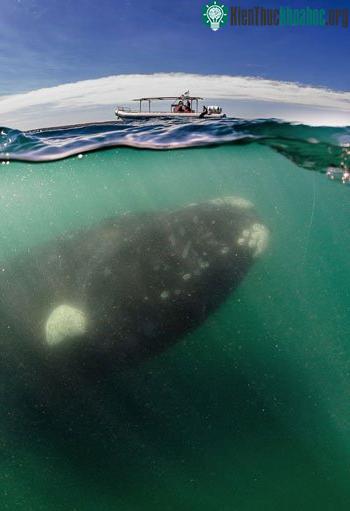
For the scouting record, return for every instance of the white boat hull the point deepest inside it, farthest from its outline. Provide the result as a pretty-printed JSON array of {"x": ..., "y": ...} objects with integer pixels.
[{"x": 123, "y": 114}]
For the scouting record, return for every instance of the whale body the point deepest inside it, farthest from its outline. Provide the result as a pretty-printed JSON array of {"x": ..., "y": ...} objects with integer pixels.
[{"x": 128, "y": 288}]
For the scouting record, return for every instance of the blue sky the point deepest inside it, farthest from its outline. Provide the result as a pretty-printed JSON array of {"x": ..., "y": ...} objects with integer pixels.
[
  {"x": 71, "y": 61},
  {"x": 49, "y": 42}
]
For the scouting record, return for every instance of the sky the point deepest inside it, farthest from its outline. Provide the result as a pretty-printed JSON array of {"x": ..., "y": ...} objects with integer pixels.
[{"x": 47, "y": 43}]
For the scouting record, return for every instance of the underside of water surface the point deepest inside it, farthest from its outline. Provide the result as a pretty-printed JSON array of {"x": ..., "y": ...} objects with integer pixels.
[{"x": 250, "y": 410}]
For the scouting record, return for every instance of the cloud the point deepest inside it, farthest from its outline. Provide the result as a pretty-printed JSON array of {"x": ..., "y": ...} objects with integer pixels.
[{"x": 71, "y": 102}]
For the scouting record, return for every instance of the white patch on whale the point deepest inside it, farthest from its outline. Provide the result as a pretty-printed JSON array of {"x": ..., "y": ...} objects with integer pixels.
[
  {"x": 238, "y": 202},
  {"x": 256, "y": 238},
  {"x": 65, "y": 322}
]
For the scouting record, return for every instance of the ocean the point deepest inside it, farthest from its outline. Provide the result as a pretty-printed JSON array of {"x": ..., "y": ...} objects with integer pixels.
[{"x": 249, "y": 411}]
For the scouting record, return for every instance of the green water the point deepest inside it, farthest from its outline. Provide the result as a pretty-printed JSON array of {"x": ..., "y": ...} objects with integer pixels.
[{"x": 249, "y": 412}]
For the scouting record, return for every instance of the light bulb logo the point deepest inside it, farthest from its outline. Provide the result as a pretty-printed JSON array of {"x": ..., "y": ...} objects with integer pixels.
[{"x": 215, "y": 15}]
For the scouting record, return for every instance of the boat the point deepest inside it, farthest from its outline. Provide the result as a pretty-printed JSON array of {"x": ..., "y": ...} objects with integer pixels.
[{"x": 184, "y": 106}]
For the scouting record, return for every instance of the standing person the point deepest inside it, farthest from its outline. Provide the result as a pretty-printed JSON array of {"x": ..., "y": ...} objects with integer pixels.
[{"x": 204, "y": 112}]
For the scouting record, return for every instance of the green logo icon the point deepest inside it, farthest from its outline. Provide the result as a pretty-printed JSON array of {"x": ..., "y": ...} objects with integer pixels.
[{"x": 215, "y": 15}]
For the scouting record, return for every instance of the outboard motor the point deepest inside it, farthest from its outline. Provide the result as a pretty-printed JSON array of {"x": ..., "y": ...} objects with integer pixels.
[{"x": 214, "y": 109}]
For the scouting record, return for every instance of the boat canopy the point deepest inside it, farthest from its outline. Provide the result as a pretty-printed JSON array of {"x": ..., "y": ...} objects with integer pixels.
[{"x": 186, "y": 96}]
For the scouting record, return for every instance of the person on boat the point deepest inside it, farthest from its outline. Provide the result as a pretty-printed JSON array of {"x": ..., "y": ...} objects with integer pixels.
[
  {"x": 179, "y": 107},
  {"x": 188, "y": 106},
  {"x": 204, "y": 112}
]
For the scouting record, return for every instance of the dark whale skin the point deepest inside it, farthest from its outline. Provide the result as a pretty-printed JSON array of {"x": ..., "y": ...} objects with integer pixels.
[{"x": 141, "y": 280}]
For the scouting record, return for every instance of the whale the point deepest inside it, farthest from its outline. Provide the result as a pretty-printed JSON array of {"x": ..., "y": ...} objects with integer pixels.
[{"x": 128, "y": 288}]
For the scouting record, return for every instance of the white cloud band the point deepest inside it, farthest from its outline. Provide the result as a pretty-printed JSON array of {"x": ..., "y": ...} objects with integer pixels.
[{"x": 111, "y": 90}]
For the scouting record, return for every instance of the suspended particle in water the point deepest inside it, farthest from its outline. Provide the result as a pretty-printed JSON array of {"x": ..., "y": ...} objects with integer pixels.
[
  {"x": 334, "y": 173},
  {"x": 346, "y": 177}
]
